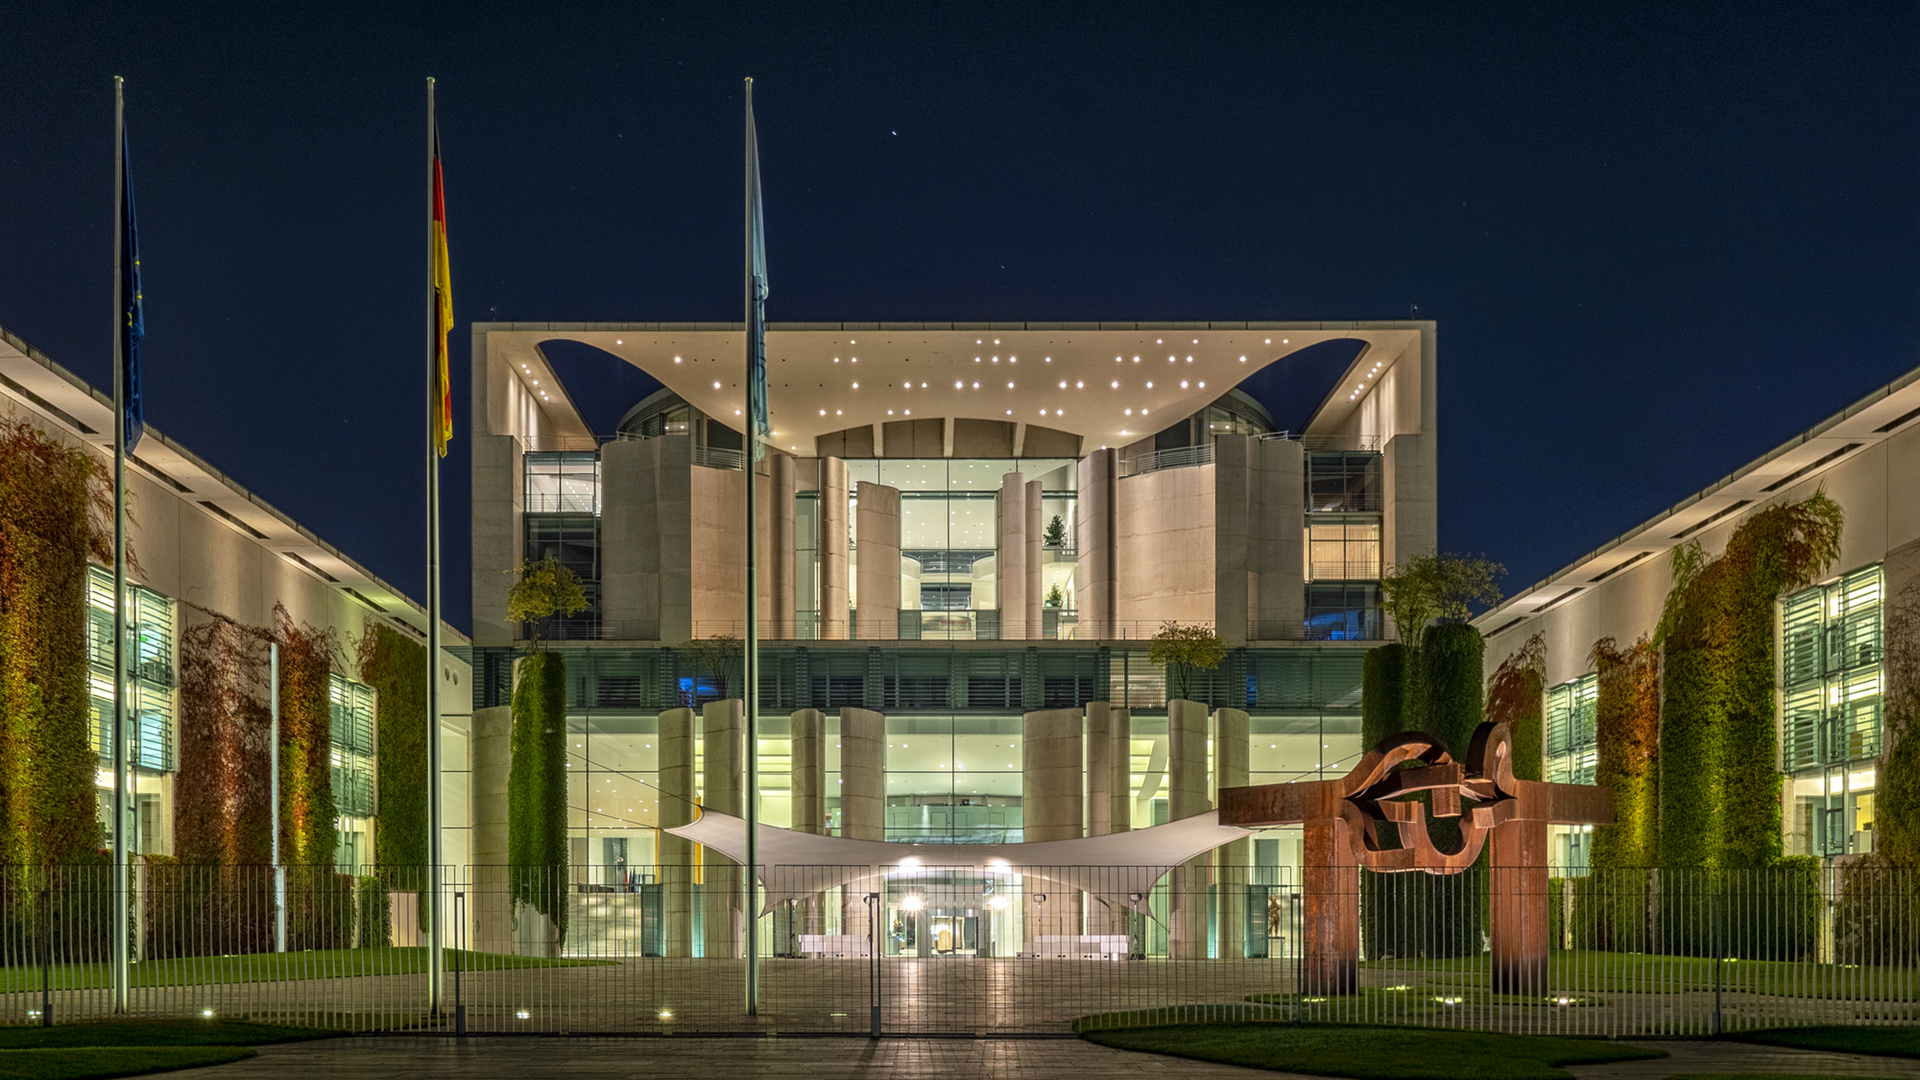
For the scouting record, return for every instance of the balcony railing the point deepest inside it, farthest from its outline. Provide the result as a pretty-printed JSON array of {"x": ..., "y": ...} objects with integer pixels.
[{"x": 1179, "y": 457}]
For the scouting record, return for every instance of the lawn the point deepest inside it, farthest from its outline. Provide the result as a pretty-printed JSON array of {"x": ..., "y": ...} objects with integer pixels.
[
  {"x": 272, "y": 967},
  {"x": 1890, "y": 1041},
  {"x": 1591, "y": 971},
  {"x": 132, "y": 1047},
  {"x": 1372, "y": 1053}
]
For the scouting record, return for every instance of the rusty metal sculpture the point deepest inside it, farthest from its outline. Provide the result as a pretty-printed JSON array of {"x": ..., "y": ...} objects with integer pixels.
[{"x": 1347, "y": 821}]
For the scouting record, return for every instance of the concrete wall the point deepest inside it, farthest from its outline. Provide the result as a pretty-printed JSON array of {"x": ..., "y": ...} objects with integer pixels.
[
  {"x": 782, "y": 542},
  {"x": 877, "y": 529},
  {"x": 646, "y": 539},
  {"x": 1186, "y": 797},
  {"x": 1164, "y": 546},
  {"x": 1259, "y": 512},
  {"x": 1230, "y": 752},
  {"x": 806, "y": 742}
]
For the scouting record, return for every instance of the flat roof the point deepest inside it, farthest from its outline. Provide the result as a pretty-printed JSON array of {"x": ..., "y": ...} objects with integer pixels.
[
  {"x": 69, "y": 403},
  {"x": 1845, "y": 434},
  {"x": 1110, "y": 383}
]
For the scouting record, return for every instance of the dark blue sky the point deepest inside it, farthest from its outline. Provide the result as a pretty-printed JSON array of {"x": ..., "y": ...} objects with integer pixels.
[{"x": 1658, "y": 239}]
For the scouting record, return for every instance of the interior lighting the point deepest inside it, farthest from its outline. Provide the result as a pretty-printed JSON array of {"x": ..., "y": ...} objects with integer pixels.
[
  {"x": 889, "y": 412},
  {"x": 996, "y": 341},
  {"x": 959, "y": 385},
  {"x": 1156, "y": 341},
  {"x": 1009, "y": 386},
  {"x": 666, "y": 1014},
  {"x": 836, "y": 412},
  {"x": 1079, "y": 386},
  {"x": 1049, "y": 359},
  {"x": 1183, "y": 384},
  {"x": 856, "y": 386},
  {"x": 1116, "y": 384},
  {"x": 1149, "y": 384},
  {"x": 1129, "y": 412},
  {"x": 676, "y": 359},
  {"x": 997, "y": 902},
  {"x": 1063, "y": 384},
  {"x": 1203, "y": 384},
  {"x": 823, "y": 412},
  {"x": 909, "y": 412},
  {"x": 736, "y": 412},
  {"x": 716, "y": 386},
  {"x": 976, "y": 385},
  {"x": 1136, "y": 359}
]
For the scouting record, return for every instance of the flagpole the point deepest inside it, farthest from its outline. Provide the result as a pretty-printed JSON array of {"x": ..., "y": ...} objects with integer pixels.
[
  {"x": 752, "y": 643},
  {"x": 122, "y": 959},
  {"x": 434, "y": 763}
]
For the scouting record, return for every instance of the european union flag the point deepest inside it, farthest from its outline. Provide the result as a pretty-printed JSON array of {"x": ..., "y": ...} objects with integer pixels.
[
  {"x": 133, "y": 325},
  {"x": 759, "y": 430}
]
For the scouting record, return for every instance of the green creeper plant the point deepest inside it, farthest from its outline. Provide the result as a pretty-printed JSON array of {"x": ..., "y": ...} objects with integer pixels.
[
  {"x": 56, "y": 507},
  {"x": 395, "y": 666},
  {"x": 537, "y": 787},
  {"x": 1437, "y": 586},
  {"x": 1896, "y": 811},
  {"x": 1186, "y": 648},
  {"x": 1722, "y": 809},
  {"x": 544, "y": 589}
]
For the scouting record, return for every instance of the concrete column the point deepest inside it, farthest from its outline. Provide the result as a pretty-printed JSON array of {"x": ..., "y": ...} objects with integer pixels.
[
  {"x": 676, "y": 853},
  {"x": 808, "y": 728},
  {"x": 1230, "y": 751},
  {"x": 1278, "y": 552},
  {"x": 1093, "y": 576},
  {"x": 490, "y": 758},
  {"x": 1121, "y": 813},
  {"x": 1035, "y": 532},
  {"x": 722, "y": 728},
  {"x": 673, "y": 499},
  {"x": 1052, "y": 807},
  {"x": 1099, "y": 768},
  {"x": 878, "y": 528},
  {"x": 863, "y": 774},
  {"x": 1186, "y": 797},
  {"x": 629, "y": 539},
  {"x": 833, "y": 548},
  {"x": 783, "y": 543},
  {"x": 1010, "y": 576}
]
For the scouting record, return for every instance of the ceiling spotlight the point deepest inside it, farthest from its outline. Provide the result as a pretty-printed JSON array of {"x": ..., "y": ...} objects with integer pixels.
[
  {"x": 617, "y": 341},
  {"x": 1079, "y": 386},
  {"x": 1116, "y": 384},
  {"x": 1149, "y": 384},
  {"x": 716, "y": 386},
  {"x": 1063, "y": 384},
  {"x": 856, "y": 386},
  {"x": 1183, "y": 384}
]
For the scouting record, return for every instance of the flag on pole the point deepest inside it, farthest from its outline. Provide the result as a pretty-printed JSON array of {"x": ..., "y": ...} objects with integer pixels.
[
  {"x": 757, "y": 294},
  {"x": 133, "y": 323},
  {"x": 442, "y": 311}
]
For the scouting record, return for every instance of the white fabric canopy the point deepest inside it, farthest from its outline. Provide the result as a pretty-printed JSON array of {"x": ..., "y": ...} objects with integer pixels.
[{"x": 1118, "y": 869}]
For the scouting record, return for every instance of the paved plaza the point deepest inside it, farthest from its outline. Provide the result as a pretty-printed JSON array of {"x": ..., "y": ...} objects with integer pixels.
[{"x": 510, "y": 1058}]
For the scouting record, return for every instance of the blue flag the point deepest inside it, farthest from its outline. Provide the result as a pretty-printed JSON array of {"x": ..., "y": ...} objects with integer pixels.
[
  {"x": 133, "y": 324},
  {"x": 761, "y": 429}
]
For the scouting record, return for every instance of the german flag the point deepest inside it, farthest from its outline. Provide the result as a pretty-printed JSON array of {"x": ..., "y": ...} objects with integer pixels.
[{"x": 442, "y": 406}]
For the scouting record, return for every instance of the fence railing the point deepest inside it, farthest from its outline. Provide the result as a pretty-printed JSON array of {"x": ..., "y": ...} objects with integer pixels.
[
  {"x": 1178, "y": 457},
  {"x": 1002, "y": 950}
]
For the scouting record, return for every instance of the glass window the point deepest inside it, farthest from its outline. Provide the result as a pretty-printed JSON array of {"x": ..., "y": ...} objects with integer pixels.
[
  {"x": 151, "y": 730},
  {"x": 1343, "y": 482},
  {"x": 1341, "y": 549},
  {"x": 563, "y": 482},
  {"x": 351, "y": 703},
  {"x": 1832, "y": 673},
  {"x": 1343, "y": 611},
  {"x": 1572, "y": 744}
]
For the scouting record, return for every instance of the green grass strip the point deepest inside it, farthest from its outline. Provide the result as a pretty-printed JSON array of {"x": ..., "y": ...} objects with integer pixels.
[
  {"x": 1889, "y": 1041},
  {"x": 1594, "y": 971},
  {"x": 98, "y": 1062},
  {"x": 1770, "y": 1076},
  {"x": 273, "y": 967},
  {"x": 1373, "y": 1053},
  {"x": 105, "y": 1033}
]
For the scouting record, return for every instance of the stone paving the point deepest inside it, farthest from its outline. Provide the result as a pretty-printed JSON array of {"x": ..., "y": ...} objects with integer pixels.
[{"x": 513, "y": 1058}]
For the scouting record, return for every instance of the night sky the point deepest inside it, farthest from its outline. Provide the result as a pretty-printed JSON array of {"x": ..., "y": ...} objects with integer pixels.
[{"x": 1657, "y": 242}]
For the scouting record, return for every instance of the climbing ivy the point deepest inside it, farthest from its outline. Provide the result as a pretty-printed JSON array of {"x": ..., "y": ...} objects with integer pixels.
[
  {"x": 1627, "y": 730},
  {"x": 221, "y": 807},
  {"x": 56, "y": 506},
  {"x": 537, "y": 787},
  {"x": 1723, "y": 808},
  {"x": 1896, "y": 812},
  {"x": 395, "y": 666},
  {"x": 1516, "y": 695}
]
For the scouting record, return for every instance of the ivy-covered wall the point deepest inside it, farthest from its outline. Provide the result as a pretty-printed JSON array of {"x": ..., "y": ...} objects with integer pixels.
[
  {"x": 1627, "y": 731},
  {"x": 221, "y": 811},
  {"x": 1720, "y": 807},
  {"x": 537, "y": 787},
  {"x": 1896, "y": 810},
  {"x": 309, "y": 833},
  {"x": 55, "y": 512},
  {"x": 1516, "y": 695},
  {"x": 396, "y": 667}
]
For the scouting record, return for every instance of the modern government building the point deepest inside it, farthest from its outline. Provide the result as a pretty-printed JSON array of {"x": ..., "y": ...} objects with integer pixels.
[{"x": 969, "y": 534}]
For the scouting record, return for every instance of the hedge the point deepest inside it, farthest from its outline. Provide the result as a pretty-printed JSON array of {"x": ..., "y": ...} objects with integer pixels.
[{"x": 537, "y": 787}]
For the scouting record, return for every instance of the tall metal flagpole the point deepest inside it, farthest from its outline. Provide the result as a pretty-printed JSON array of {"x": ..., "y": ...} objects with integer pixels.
[
  {"x": 122, "y": 958},
  {"x": 755, "y": 341},
  {"x": 434, "y": 853}
]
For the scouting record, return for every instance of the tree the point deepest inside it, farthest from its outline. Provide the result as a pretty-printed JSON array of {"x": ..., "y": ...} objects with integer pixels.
[
  {"x": 1054, "y": 596},
  {"x": 1435, "y": 586},
  {"x": 1056, "y": 534},
  {"x": 545, "y": 589},
  {"x": 1186, "y": 648},
  {"x": 720, "y": 654}
]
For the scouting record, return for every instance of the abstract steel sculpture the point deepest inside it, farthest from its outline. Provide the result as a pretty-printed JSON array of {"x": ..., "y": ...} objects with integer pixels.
[{"x": 1347, "y": 820}]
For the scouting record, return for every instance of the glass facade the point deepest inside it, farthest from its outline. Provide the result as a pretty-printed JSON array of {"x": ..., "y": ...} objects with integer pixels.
[
  {"x": 151, "y": 732},
  {"x": 1832, "y": 672},
  {"x": 351, "y": 704},
  {"x": 1572, "y": 751}
]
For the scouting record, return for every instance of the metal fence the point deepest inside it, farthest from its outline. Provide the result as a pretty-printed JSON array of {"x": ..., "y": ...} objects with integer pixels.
[{"x": 933, "y": 950}]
